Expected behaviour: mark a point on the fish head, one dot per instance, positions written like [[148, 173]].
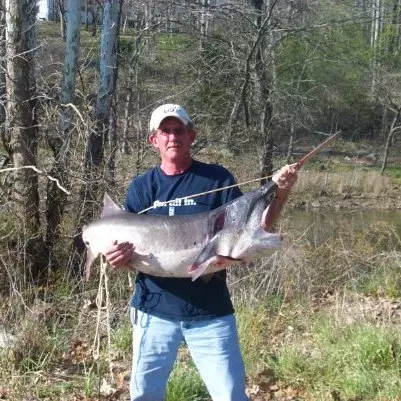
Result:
[[90, 239], [253, 244], [101, 234], [264, 243], [268, 192]]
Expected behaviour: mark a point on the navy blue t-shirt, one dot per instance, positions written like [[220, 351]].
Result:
[[182, 298]]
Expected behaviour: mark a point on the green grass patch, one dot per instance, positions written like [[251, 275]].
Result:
[[122, 339], [382, 283], [167, 44], [186, 384], [394, 173], [354, 361]]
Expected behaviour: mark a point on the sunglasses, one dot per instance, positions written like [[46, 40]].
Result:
[[172, 131]]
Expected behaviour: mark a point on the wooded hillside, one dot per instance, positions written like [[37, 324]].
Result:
[[258, 77]]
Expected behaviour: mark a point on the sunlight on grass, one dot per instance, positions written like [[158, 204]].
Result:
[[394, 173], [122, 338], [186, 384], [354, 361], [250, 324]]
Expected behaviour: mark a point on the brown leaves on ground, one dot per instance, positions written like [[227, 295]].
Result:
[[265, 387], [79, 352]]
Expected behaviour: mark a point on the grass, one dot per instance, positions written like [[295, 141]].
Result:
[[356, 361], [395, 174], [318, 322], [354, 181], [299, 341], [185, 384], [318, 319]]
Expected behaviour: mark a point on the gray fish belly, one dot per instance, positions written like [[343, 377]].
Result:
[[164, 246]]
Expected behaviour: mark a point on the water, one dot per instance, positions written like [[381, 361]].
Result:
[[317, 225]]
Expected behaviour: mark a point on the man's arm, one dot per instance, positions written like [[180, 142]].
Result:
[[285, 178]]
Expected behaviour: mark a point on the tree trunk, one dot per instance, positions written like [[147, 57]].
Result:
[[60, 141], [113, 144], [131, 88], [263, 85], [2, 71], [108, 76], [86, 15], [4, 278], [203, 22], [125, 150], [390, 136], [22, 130], [374, 43], [291, 142], [392, 47], [63, 25]]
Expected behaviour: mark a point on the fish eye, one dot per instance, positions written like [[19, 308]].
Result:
[[86, 243]]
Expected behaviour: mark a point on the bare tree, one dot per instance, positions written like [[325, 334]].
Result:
[[203, 22], [255, 93], [62, 14], [2, 66], [94, 154], [22, 127], [374, 43], [131, 61], [395, 126], [59, 141]]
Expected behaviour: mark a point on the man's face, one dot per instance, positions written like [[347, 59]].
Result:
[[173, 140]]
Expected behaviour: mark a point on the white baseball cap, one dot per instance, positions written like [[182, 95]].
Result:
[[168, 110]]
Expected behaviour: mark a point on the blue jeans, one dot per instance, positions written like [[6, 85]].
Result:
[[214, 347]]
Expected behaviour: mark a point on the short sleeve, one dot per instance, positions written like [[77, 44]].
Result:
[[133, 200]]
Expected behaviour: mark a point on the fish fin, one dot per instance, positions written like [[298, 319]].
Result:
[[90, 258], [197, 270], [219, 262], [110, 208], [203, 260]]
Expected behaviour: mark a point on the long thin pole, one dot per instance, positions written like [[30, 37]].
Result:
[[297, 165], [313, 152]]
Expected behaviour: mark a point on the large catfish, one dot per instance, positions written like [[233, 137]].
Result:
[[190, 246], [186, 246]]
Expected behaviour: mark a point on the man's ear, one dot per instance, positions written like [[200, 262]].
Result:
[[153, 139], [192, 134]]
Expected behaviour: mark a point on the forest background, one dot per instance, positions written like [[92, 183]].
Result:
[[265, 81]]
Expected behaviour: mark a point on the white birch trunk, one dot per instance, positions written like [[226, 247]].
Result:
[[374, 43], [203, 22]]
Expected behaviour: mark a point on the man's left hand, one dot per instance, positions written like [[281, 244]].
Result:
[[285, 178]]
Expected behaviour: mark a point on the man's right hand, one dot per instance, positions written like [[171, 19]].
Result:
[[120, 255]]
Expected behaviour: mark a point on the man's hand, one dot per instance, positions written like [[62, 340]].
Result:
[[285, 178], [120, 255]]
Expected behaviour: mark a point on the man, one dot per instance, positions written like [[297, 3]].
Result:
[[168, 311]]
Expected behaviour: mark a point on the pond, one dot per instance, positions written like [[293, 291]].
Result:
[[317, 225]]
